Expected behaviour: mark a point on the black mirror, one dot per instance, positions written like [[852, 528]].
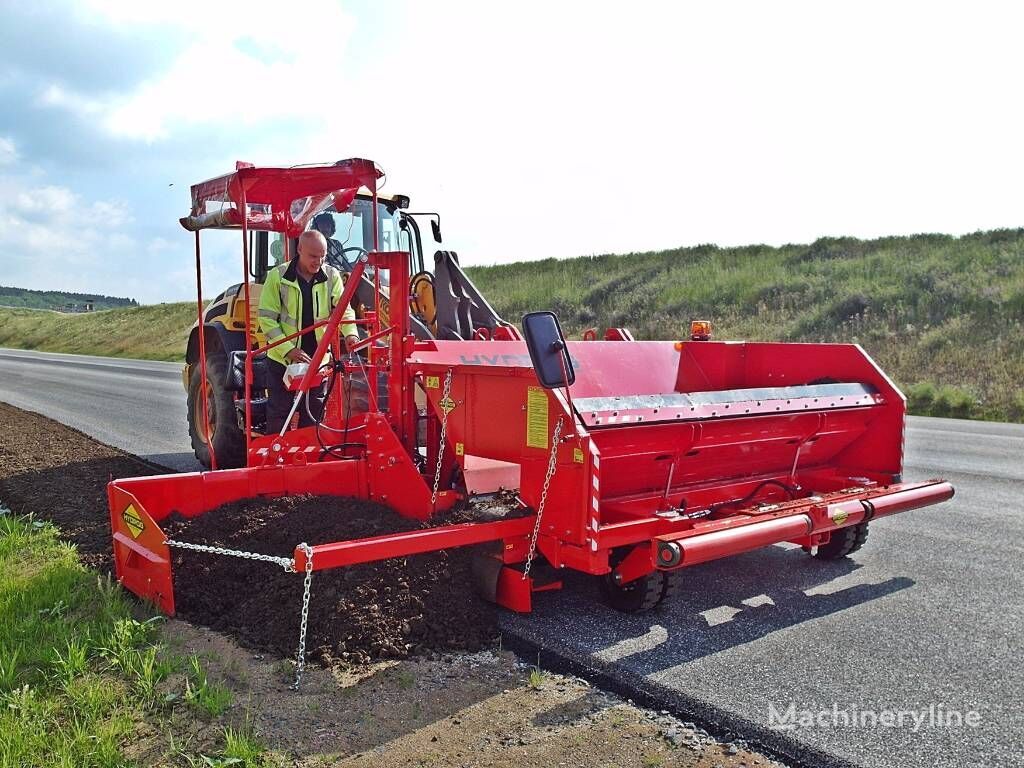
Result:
[[548, 351], [435, 227]]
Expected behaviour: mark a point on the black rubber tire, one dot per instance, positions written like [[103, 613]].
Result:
[[638, 596], [843, 542], [228, 439]]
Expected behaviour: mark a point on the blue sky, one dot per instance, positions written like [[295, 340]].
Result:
[[537, 129]]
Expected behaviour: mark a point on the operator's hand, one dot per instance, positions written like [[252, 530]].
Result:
[[297, 356], [350, 341]]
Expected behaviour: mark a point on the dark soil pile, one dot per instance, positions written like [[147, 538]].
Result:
[[56, 473], [389, 609], [393, 608]]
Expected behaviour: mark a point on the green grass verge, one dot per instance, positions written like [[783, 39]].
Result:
[[942, 315], [82, 677], [157, 332]]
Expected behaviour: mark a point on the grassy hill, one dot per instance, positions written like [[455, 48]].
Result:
[[155, 332], [944, 316], [24, 297]]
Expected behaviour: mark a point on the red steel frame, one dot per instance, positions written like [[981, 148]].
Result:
[[669, 486]]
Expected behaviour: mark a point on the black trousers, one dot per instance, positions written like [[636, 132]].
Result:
[[280, 400]]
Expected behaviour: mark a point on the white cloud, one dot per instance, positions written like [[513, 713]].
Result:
[[559, 129], [55, 239], [8, 152], [231, 73]]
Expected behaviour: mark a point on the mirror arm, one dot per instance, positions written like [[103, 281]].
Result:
[[558, 345]]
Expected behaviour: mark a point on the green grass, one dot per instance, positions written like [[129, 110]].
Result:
[[206, 697], [80, 673], [939, 313], [933, 310], [157, 332]]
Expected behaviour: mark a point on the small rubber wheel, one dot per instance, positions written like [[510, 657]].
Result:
[[641, 595], [843, 542], [228, 440]]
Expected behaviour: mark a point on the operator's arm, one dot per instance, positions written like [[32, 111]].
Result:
[[348, 328], [270, 312]]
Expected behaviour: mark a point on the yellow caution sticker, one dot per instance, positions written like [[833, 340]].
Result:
[[433, 382], [133, 521], [839, 516], [447, 404], [536, 418], [460, 449], [577, 455]]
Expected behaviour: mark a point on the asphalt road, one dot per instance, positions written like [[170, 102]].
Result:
[[930, 614]]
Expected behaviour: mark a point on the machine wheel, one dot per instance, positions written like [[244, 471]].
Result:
[[843, 542], [640, 595], [228, 440]]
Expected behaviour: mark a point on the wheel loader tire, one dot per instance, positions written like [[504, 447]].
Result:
[[843, 542], [228, 440]]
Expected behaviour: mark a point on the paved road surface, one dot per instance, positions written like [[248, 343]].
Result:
[[930, 612]]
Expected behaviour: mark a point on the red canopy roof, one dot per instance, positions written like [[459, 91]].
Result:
[[278, 199]]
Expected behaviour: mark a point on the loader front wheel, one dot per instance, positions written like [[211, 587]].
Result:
[[225, 436], [843, 542]]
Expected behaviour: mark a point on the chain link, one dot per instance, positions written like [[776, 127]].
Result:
[[552, 466], [287, 563], [300, 664], [445, 393]]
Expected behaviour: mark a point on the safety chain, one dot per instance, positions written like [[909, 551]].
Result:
[[555, 440], [300, 665], [285, 562], [288, 564], [445, 393]]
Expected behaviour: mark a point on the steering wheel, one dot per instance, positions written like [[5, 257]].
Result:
[[338, 261]]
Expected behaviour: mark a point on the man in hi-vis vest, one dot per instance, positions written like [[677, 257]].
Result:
[[296, 295]]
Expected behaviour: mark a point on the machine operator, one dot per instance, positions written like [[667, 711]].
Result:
[[297, 295]]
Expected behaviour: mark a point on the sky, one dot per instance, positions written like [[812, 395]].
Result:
[[553, 129]]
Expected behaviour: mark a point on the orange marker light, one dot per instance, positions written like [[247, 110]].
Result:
[[700, 330]]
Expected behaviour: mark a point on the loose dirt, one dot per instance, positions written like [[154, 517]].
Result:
[[59, 474], [389, 609]]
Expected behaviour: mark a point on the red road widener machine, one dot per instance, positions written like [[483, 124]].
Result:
[[629, 460]]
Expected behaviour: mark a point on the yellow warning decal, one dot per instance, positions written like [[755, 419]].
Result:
[[133, 521], [536, 418], [577, 455], [460, 449], [433, 382], [839, 516], [447, 404]]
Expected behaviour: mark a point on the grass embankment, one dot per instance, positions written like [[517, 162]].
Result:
[[156, 332], [84, 682], [943, 316]]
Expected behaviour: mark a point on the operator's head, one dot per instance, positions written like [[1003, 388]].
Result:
[[312, 250], [324, 223]]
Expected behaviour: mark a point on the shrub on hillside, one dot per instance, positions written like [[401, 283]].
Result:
[[1016, 407], [925, 399]]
